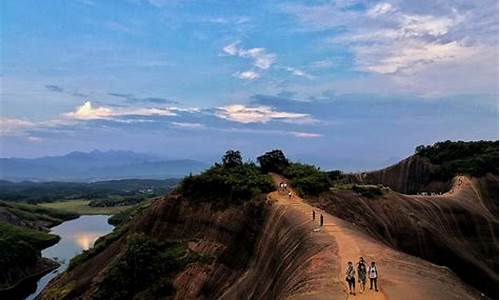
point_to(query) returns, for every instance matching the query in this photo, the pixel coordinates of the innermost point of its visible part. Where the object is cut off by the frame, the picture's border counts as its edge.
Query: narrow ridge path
(349, 249)
(401, 276)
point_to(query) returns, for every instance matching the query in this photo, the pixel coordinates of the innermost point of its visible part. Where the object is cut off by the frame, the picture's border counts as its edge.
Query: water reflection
(86, 239)
(76, 235)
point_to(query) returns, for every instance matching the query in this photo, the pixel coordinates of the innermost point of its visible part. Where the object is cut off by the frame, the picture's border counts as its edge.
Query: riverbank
(82, 207)
(21, 289)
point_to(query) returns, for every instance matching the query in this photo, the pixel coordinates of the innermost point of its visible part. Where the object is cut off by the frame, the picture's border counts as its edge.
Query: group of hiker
(283, 187)
(362, 270)
(320, 218)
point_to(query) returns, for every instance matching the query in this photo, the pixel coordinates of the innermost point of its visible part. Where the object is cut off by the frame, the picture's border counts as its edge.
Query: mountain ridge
(96, 165)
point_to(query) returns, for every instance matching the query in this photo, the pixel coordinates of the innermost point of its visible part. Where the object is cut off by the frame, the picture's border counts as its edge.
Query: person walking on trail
(362, 274)
(314, 215)
(290, 195)
(321, 220)
(350, 277)
(284, 186)
(373, 274)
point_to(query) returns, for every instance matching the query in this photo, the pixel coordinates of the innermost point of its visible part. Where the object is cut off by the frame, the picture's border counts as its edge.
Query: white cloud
(260, 58)
(305, 134)
(410, 56)
(34, 139)
(259, 114)
(408, 43)
(188, 125)
(9, 126)
(88, 112)
(247, 75)
(298, 72)
(380, 9)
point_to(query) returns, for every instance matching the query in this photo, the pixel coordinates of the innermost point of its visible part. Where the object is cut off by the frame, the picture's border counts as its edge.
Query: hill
(219, 236)
(96, 165)
(23, 234)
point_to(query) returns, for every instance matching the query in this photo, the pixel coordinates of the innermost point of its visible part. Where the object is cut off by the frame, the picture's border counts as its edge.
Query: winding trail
(401, 276)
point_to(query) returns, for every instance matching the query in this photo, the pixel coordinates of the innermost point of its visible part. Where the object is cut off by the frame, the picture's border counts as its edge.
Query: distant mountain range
(96, 165)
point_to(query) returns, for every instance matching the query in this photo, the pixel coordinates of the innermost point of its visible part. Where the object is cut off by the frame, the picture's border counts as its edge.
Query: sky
(348, 84)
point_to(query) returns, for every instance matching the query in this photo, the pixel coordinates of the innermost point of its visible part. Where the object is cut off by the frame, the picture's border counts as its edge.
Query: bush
(368, 191)
(145, 269)
(452, 158)
(226, 184)
(307, 179)
(273, 161)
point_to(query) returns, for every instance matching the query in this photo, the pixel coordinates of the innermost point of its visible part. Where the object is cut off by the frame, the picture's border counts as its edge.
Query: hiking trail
(401, 276)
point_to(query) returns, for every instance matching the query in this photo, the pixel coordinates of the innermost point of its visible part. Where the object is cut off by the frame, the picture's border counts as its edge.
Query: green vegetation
(117, 200)
(37, 214)
(20, 247)
(128, 213)
(366, 190)
(230, 183)
(273, 161)
(307, 179)
(144, 271)
(369, 191)
(452, 158)
(82, 207)
(37, 192)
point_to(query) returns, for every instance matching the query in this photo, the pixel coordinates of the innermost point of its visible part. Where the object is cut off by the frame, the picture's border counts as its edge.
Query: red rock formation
(458, 229)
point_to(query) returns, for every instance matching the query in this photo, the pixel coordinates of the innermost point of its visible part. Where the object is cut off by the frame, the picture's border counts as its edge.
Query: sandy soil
(401, 276)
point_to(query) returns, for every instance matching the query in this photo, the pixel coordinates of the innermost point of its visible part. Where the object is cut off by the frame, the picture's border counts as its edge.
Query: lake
(76, 235)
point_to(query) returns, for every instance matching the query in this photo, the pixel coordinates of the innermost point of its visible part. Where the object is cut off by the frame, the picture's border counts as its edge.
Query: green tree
(273, 161)
(232, 159)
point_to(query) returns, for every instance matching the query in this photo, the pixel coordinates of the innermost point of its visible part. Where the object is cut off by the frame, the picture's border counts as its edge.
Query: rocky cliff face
(410, 176)
(248, 252)
(458, 229)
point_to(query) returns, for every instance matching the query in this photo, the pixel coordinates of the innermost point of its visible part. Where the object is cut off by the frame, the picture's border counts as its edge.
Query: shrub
(307, 179)
(368, 191)
(273, 161)
(473, 158)
(146, 269)
(226, 184)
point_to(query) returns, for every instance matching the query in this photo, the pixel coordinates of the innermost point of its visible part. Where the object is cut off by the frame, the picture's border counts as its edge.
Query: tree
(273, 161)
(232, 159)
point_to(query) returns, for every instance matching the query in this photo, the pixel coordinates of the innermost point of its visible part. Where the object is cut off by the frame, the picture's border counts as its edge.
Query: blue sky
(348, 84)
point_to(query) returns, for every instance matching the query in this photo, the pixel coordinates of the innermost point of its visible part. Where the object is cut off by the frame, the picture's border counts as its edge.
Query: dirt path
(401, 276)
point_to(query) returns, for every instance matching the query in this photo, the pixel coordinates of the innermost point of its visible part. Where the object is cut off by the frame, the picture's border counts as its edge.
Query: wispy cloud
(247, 75)
(188, 125)
(411, 43)
(54, 88)
(258, 114)
(88, 112)
(10, 126)
(130, 98)
(298, 72)
(259, 56)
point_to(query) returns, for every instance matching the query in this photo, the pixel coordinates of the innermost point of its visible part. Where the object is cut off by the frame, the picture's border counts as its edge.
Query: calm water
(76, 235)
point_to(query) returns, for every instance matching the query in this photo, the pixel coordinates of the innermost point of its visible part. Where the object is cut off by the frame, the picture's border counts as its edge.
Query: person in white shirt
(373, 274)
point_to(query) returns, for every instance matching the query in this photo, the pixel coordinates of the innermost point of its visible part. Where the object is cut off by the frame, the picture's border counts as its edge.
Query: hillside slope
(458, 229)
(265, 249)
(23, 234)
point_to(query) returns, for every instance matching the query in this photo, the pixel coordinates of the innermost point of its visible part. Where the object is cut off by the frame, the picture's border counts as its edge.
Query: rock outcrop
(458, 229)
(255, 251)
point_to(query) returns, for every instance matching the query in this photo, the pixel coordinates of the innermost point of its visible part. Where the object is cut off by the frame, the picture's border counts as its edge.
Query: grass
(36, 213)
(82, 207)
(36, 238)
